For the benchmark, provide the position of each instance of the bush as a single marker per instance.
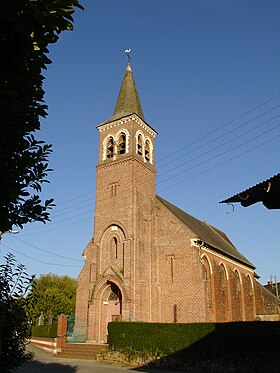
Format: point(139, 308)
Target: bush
point(47, 331)
point(242, 346)
point(166, 338)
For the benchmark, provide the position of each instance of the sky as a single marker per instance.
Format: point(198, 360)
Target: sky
point(208, 76)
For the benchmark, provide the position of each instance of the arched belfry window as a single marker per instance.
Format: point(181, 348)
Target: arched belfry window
point(122, 144)
point(140, 144)
point(110, 147)
point(147, 150)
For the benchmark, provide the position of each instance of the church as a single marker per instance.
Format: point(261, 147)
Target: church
point(148, 260)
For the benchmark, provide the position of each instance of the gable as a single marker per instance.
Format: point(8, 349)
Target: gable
point(207, 233)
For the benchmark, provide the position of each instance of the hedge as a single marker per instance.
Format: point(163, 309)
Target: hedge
point(47, 331)
point(209, 339)
point(156, 336)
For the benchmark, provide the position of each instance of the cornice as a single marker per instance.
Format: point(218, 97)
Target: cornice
point(221, 256)
point(127, 160)
point(123, 120)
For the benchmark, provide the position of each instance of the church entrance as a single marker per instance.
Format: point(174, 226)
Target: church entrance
point(114, 309)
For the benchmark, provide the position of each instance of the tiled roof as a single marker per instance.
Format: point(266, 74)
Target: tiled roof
point(267, 192)
point(210, 235)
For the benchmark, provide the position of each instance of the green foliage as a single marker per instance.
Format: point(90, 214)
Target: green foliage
point(47, 331)
point(237, 346)
point(27, 27)
point(156, 337)
point(15, 302)
point(54, 295)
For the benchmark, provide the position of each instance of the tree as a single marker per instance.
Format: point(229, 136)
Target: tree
point(54, 295)
point(27, 27)
point(15, 303)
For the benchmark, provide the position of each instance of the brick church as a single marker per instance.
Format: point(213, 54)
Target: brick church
point(148, 260)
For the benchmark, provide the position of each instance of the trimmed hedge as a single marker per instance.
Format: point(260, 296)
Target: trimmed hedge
point(156, 336)
point(208, 339)
point(47, 331)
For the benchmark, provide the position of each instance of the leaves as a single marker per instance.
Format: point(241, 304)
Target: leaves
point(54, 295)
point(15, 306)
point(27, 27)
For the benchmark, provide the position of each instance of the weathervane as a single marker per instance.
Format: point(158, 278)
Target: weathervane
point(127, 52)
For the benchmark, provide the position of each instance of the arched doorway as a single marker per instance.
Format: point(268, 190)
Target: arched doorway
point(114, 309)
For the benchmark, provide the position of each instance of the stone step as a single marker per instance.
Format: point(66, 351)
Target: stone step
point(81, 351)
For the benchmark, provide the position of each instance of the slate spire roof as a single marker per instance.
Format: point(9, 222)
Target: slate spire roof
point(128, 101)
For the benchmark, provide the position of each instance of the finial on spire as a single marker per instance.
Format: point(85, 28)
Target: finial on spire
point(127, 52)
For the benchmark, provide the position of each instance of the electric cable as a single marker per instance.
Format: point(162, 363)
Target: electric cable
point(40, 261)
point(218, 155)
point(219, 146)
point(222, 126)
point(45, 251)
point(220, 164)
point(216, 138)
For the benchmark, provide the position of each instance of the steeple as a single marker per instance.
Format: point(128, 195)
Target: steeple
point(128, 101)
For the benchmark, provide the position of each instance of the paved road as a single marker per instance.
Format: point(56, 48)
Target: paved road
point(44, 362)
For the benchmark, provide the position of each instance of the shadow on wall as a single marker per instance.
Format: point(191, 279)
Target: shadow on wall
point(231, 347)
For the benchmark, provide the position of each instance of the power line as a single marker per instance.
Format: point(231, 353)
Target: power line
point(74, 198)
point(57, 228)
point(219, 146)
point(216, 138)
point(218, 155)
point(40, 261)
point(222, 126)
point(76, 209)
point(60, 221)
point(46, 251)
point(220, 164)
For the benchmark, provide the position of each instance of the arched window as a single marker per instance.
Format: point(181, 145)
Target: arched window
point(206, 277)
point(147, 150)
point(140, 145)
point(223, 277)
point(122, 144)
point(249, 286)
point(114, 248)
point(110, 148)
point(237, 283)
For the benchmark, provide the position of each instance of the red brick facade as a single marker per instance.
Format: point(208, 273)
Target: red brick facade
point(145, 263)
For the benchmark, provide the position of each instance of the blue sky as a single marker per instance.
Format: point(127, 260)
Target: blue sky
point(198, 65)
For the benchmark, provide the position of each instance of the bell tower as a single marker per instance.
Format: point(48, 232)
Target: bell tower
point(125, 172)
point(118, 258)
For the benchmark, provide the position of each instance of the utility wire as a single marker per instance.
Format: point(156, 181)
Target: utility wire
point(70, 211)
point(216, 138)
point(222, 126)
point(219, 146)
point(220, 164)
point(60, 221)
point(40, 261)
point(79, 196)
point(46, 251)
point(218, 155)
point(57, 228)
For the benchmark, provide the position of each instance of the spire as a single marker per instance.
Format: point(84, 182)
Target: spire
point(128, 101)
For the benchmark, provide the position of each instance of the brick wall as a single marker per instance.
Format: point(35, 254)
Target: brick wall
point(147, 252)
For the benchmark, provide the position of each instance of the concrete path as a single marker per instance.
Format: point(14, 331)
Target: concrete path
point(45, 362)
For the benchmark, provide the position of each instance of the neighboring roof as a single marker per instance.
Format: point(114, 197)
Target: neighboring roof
point(274, 288)
point(267, 192)
point(207, 233)
point(128, 101)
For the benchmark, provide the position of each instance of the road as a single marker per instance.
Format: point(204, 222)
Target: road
point(45, 362)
